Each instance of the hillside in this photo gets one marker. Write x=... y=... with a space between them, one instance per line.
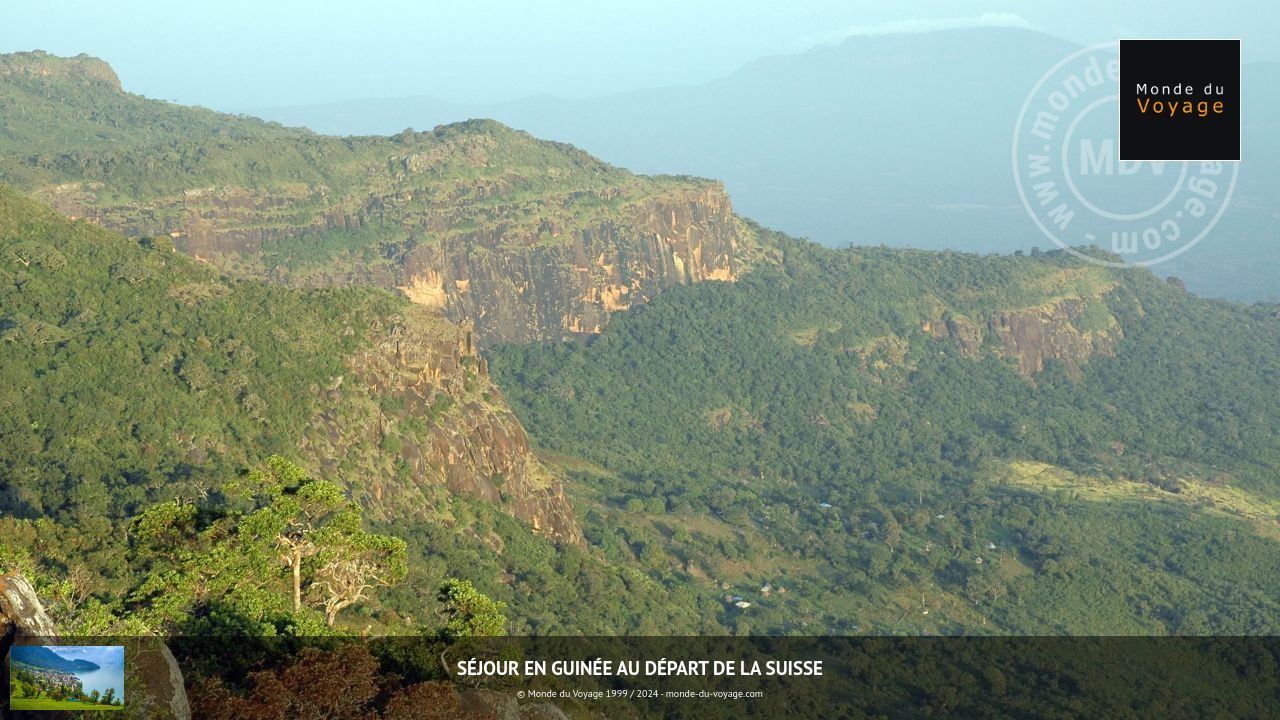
x=927 y=442
x=526 y=239
x=43 y=657
x=132 y=376
x=843 y=441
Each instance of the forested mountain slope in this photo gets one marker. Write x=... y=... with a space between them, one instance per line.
x=133 y=377
x=527 y=239
x=861 y=440
x=932 y=442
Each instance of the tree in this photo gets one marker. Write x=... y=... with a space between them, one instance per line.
x=304 y=505
x=231 y=556
x=312 y=521
x=311 y=683
x=467 y=612
x=318 y=523
x=355 y=561
x=35 y=332
x=30 y=252
x=108 y=697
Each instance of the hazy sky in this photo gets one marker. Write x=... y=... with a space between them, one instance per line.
x=242 y=54
x=105 y=655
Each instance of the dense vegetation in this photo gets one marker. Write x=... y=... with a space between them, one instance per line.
x=127 y=366
x=855 y=441
x=879 y=677
x=149 y=148
x=799 y=429
x=795 y=441
x=133 y=379
x=843 y=441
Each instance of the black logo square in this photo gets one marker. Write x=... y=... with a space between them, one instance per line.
x=1179 y=99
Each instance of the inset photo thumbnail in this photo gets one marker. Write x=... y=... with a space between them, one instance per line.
x=66 y=677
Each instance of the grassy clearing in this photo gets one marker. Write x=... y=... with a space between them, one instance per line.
x=1261 y=512
x=47 y=703
x=808 y=335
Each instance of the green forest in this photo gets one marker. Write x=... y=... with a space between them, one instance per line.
x=799 y=430
x=320 y=206
x=863 y=440
x=220 y=419
x=136 y=384
x=795 y=441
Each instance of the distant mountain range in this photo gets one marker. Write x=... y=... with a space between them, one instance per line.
x=42 y=657
x=893 y=139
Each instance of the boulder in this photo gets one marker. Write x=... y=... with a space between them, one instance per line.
x=21 y=613
x=154 y=674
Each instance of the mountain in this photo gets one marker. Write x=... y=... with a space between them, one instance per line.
x=43 y=657
x=524 y=239
x=859 y=440
x=835 y=143
x=102 y=333
x=896 y=139
x=132 y=376
x=923 y=442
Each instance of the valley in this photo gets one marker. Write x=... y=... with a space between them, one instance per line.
x=606 y=402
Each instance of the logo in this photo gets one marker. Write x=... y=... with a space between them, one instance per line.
x=1071 y=180
x=1180 y=99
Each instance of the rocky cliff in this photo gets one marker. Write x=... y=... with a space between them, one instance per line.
x=520 y=268
x=419 y=404
x=43 y=67
x=528 y=240
x=1068 y=330
x=565 y=277
x=362 y=387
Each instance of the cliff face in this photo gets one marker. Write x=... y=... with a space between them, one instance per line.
x=521 y=239
x=41 y=66
x=521 y=271
x=517 y=287
x=386 y=397
x=419 y=404
x=1069 y=330
x=528 y=240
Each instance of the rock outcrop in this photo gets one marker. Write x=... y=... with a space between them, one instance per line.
x=515 y=280
x=21 y=613
x=155 y=673
x=42 y=66
x=528 y=240
x=515 y=287
x=1068 y=330
x=437 y=421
